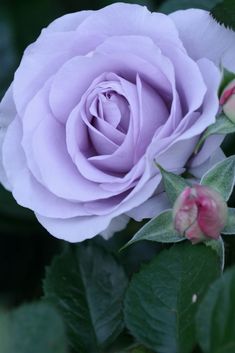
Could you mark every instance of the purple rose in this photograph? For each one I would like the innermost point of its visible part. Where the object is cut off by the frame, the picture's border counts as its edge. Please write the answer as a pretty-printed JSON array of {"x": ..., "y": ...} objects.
[{"x": 97, "y": 99}]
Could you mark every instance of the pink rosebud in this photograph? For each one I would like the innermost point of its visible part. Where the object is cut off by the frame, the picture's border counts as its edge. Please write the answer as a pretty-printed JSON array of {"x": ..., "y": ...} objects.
[
  {"x": 199, "y": 213},
  {"x": 227, "y": 100}
]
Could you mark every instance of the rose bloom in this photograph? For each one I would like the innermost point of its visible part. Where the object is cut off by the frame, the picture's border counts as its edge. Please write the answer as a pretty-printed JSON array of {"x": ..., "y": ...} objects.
[{"x": 97, "y": 99}]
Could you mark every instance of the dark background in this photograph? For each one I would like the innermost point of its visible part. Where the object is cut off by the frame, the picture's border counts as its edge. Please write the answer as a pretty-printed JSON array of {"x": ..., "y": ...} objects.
[{"x": 25, "y": 247}]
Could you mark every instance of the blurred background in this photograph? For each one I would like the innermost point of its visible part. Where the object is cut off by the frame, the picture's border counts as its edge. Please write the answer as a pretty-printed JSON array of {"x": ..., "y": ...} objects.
[{"x": 25, "y": 247}]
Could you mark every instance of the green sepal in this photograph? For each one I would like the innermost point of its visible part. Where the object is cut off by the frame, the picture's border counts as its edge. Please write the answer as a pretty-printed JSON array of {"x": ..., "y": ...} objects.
[
  {"x": 159, "y": 229},
  {"x": 222, "y": 126},
  {"x": 230, "y": 224},
  {"x": 173, "y": 184},
  {"x": 218, "y": 246},
  {"x": 221, "y": 177}
]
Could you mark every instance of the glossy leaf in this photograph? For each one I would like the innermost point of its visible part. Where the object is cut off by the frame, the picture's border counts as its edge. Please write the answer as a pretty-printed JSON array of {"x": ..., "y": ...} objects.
[
  {"x": 87, "y": 285},
  {"x": 216, "y": 316},
  {"x": 162, "y": 299}
]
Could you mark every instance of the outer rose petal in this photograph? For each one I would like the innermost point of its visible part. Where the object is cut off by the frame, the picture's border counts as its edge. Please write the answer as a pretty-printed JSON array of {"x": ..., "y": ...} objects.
[
  {"x": 215, "y": 158},
  {"x": 69, "y": 22},
  {"x": 116, "y": 225},
  {"x": 150, "y": 208},
  {"x": 130, "y": 19},
  {"x": 75, "y": 229},
  {"x": 203, "y": 37}
]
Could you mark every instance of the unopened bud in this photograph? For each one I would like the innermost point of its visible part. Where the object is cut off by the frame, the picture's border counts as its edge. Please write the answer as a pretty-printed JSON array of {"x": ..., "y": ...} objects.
[
  {"x": 227, "y": 101},
  {"x": 199, "y": 213}
]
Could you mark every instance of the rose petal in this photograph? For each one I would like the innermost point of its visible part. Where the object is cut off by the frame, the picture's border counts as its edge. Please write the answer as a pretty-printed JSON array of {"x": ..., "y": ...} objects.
[
  {"x": 68, "y": 22},
  {"x": 44, "y": 58},
  {"x": 202, "y": 36},
  {"x": 75, "y": 229},
  {"x": 26, "y": 190},
  {"x": 116, "y": 225},
  {"x": 150, "y": 208},
  {"x": 129, "y": 19}
]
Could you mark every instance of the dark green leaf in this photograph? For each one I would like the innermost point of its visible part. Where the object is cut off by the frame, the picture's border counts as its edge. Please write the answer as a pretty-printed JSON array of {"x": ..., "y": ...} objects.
[
  {"x": 216, "y": 316},
  {"x": 87, "y": 285},
  {"x": 222, "y": 126},
  {"x": 162, "y": 298},
  {"x": 173, "y": 184},
  {"x": 33, "y": 328},
  {"x": 221, "y": 177},
  {"x": 227, "y": 78},
  {"x": 230, "y": 225},
  {"x": 224, "y": 13},
  {"x": 159, "y": 229},
  {"x": 174, "y": 5}
]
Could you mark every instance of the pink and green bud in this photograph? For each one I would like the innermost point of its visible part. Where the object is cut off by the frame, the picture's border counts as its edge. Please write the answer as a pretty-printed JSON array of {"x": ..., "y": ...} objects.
[
  {"x": 199, "y": 213},
  {"x": 227, "y": 101}
]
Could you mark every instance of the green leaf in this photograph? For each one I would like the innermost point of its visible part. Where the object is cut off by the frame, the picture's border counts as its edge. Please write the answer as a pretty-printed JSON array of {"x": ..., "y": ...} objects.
[
  {"x": 159, "y": 229},
  {"x": 221, "y": 177},
  {"x": 228, "y": 76},
  {"x": 224, "y": 13},
  {"x": 174, "y": 5},
  {"x": 230, "y": 225},
  {"x": 218, "y": 247},
  {"x": 87, "y": 285},
  {"x": 222, "y": 126},
  {"x": 173, "y": 184},
  {"x": 216, "y": 316},
  {"x": 33, "y": 328},
  {"x": 162, "y": 298}
]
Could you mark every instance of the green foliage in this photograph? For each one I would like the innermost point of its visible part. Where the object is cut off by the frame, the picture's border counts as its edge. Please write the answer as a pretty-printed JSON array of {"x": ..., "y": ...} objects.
[
  {"x": 162, "y": 298},
  {"x": 222, "y": 126},
  {"x": 230, "y": 225},
  {"x": 221, "y": 177},
  {"x": 224, "y": 13},
  {"x": 218, "y": 247},
  {"x": 174, "y": 5},
  {"x": 87, "y": 285},
  {"x": 159, "y": 229},
  {"x": 173, "y": 184},
  {"x": 227, "y": 78},
  {"x": 216, "y": 316},
  {"x": 33, "y": 328}
]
